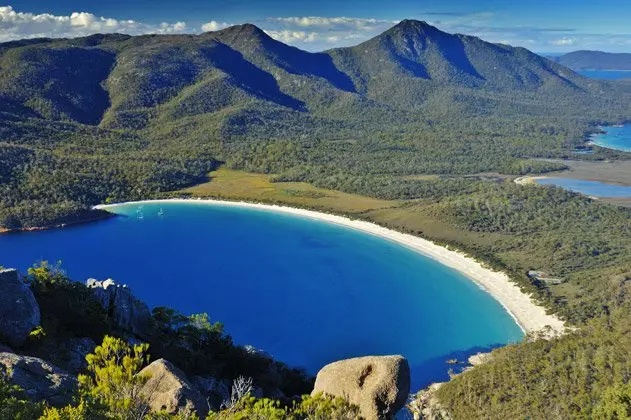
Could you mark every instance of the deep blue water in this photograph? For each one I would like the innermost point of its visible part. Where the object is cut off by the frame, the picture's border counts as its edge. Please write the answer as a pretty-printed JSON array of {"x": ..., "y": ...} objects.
[
  {"x": 305, "y": 291},
  {"x": 591, "y": 188},
  {"x": 606, "y": 74},
  {"x": 615, "y": 137}
]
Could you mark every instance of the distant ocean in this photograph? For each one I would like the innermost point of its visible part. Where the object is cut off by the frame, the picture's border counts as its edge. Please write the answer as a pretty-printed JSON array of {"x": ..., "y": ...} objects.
[
  {"x": 305, "y": 291},
  {"x": 606, "y": 74}
]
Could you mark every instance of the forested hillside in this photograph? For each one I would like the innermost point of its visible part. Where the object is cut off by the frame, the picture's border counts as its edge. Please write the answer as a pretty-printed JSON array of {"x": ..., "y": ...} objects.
[{"x": 114, "y": 117}]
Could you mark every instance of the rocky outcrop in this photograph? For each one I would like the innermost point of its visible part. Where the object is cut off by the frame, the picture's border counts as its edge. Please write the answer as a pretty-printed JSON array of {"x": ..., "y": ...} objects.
[
  {"x": 40, "y": 380},
  {"x": 19, "y": 312},
  {"x": 128, "y": 312},
  {"x": 479, "y": 359},
  {"x": 75, "y": 350},
  {"x": 427, "y": 407},
  {"x": 168, "y": 389},
  {"x": 214, "y": 391},
  {"x": 378, "y": 385}
]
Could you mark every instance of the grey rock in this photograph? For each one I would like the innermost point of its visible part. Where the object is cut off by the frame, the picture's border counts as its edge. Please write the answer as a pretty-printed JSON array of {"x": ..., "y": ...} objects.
[
  {"x": 257, "y": 352},
  {"x": 257, "y": 392},
  {"x": 19, "y": 312},
  {"x": 378, "y": 385},
  {"x": 168, "y": 389},
  {"x": 128, "y": 312},
  {"x": 76, "y": 351},
  {"x": 40, "y": 380},
  {"x": 276, "y": 394},
  {"x": 213, "y": 390}
]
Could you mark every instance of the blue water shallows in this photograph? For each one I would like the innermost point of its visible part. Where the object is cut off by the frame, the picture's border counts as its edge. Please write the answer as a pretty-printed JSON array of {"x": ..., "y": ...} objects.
[
  {"x": 591, "y": 188},
  {"x": 614, "y": 137},
  {"x": 305, "y": 291}
]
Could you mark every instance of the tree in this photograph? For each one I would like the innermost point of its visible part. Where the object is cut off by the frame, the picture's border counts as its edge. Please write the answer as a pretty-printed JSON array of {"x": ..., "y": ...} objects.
[
  {"x": 615, "y": 404},
  {"x": 45, "y": 274},
  {"x": 80, "y": 412},
  {"x": 115, "y": 383}
]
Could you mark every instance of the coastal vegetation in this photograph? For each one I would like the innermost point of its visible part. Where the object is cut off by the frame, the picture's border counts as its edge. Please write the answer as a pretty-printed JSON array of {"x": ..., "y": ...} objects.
[
  {"x": 113, "y": 387},
  {"x": 584, "y": 374}
]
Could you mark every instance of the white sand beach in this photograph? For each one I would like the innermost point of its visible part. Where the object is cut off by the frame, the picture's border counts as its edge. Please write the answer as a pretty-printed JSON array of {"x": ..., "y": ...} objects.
[
  {"x": 521, "y": 306},
  {"x": 524, "y": 180}
]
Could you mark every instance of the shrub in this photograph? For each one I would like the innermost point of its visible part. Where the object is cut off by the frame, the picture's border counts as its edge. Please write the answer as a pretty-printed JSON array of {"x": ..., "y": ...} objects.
[
  {"x": 318, "y": 407},
  {"x": 13, "y": 404},
  {"x": 114, "y": 382}
]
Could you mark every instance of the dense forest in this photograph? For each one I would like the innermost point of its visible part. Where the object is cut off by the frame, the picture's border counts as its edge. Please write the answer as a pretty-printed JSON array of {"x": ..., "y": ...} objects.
[{"x": 111, "y": 117}]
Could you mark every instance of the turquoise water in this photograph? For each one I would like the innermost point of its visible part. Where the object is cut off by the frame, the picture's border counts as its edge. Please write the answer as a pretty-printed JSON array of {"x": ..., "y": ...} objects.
[
  {"x": 606, "y": 74},
  {"x": 591, "y": 188},
  {"x": 305, "y": 291},
  {"x": 618, "y": 138}
]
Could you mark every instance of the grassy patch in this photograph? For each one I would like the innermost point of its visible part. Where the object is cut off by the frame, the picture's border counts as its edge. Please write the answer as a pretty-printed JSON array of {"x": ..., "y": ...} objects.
[{"x": 238, "y": 185}]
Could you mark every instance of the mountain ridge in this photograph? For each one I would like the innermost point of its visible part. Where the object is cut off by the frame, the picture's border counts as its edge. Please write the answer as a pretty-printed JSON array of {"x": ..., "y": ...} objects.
[
  {"x": 239, "y": 81},
  {"x": 402, "y": 68}
]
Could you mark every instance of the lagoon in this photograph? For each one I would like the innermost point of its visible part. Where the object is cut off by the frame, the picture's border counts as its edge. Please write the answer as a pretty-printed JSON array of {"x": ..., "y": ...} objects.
[
  {"x": 306, "y": 291},
  {"x": 590, "y": 188}
]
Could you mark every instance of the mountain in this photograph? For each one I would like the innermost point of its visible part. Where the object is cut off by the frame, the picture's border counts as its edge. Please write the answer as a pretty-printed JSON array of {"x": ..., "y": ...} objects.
[
  {"x": 414, "y": 63},
  {"x": 595, "y": 60},
  {"x": 117, "y": 116},
  {"x": 117, "y": 81}
]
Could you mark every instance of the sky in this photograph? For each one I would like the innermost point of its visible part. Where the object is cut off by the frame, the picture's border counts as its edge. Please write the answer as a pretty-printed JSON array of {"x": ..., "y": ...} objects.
[{"x": 544, "y": 26}]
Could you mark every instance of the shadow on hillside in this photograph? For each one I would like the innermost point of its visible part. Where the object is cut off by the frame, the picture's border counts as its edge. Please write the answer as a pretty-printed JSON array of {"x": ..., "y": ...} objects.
[{"x": 249, "y": 77}]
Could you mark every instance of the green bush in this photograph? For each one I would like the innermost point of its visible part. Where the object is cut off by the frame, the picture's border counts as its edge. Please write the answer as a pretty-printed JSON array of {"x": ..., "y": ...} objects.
[
  {"x": 318, "y": 407},
  {"x": 13, "y": 403}
]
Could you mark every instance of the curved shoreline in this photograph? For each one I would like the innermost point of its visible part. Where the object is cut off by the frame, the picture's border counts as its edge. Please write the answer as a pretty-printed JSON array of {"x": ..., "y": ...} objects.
[{"x": 528, "y": 315}]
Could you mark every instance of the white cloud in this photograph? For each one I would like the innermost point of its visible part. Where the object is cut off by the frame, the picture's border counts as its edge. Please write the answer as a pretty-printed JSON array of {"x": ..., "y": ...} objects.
[
  {"x": 214, "y": 26},
  {"x": 18, "y": 25},
  {"x": 563, "y": 41},
  {"x": 321, "y": 32},
  {"x": 291, "y": 37},
  {"x": 332, "y": 23},
  {"x": 314, "y": 32}
]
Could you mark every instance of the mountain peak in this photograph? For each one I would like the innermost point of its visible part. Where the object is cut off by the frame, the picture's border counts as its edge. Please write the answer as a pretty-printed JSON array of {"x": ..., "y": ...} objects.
[
  {"x": 413, "y": 27},
  {"x": 246, "y": 29},
  {"x": 412, "y": 23},
  {"x": 240, "y": 34}
]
